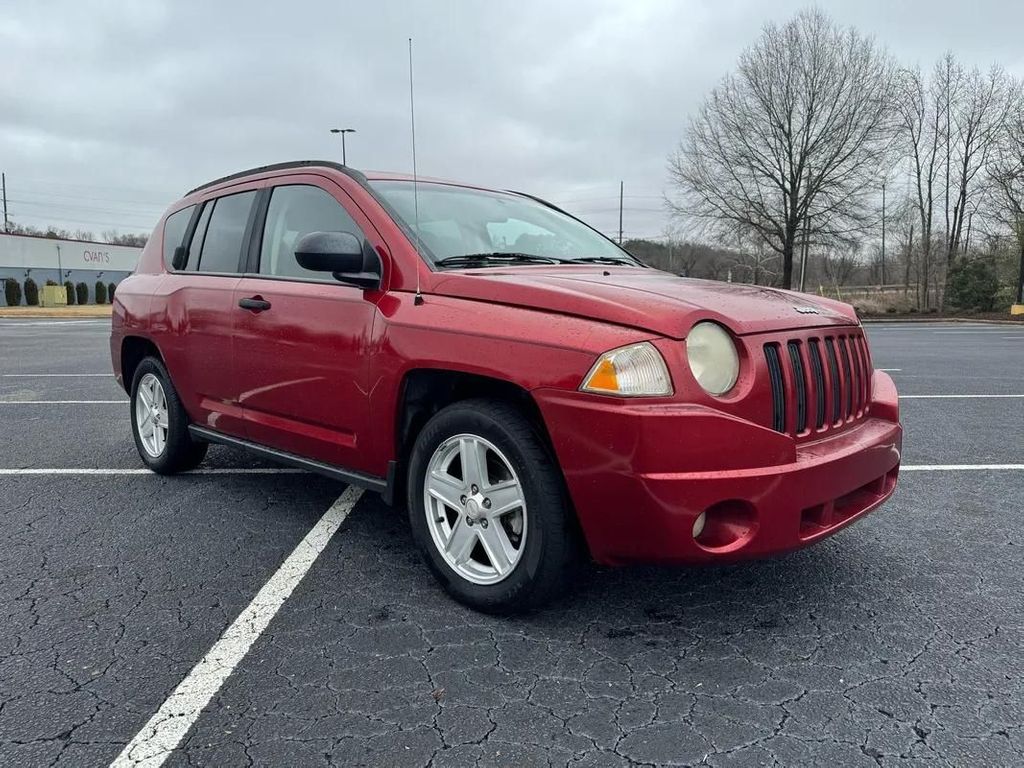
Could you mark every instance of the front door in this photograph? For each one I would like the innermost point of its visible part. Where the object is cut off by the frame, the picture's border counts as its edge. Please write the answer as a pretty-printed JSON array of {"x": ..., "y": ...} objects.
[{"x": 301, "y": 337}]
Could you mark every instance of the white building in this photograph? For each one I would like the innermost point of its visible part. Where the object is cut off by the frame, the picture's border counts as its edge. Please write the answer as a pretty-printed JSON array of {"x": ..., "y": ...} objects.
[{"x": 45, "y": 258}]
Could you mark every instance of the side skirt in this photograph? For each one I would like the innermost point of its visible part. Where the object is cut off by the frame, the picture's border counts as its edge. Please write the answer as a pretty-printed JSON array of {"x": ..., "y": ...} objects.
[{"x": 369, "y": 482}]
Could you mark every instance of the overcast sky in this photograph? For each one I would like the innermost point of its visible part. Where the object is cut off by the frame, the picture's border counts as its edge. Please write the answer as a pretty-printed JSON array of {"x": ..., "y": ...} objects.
[{"x": 109, "y": 110}]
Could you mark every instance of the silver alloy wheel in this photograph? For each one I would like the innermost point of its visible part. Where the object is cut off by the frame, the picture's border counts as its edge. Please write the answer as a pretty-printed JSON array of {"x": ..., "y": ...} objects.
[
  {"x": 151, "y": 415},
  {"x": 476, "y": 508}
]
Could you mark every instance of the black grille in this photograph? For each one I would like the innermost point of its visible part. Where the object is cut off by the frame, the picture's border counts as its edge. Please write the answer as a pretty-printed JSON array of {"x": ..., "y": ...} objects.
[
  {"x": 771, "y": 353},
  {"x": 833, "y": 369},
  {"x": 819, "y": 383},
  {"x": 801, "y": 387},
  {"x": 814, "y": 389}
]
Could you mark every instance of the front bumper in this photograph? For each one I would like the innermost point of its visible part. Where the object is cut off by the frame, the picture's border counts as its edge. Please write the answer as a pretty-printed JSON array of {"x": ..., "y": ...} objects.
[{"x": 640, "y": 475}]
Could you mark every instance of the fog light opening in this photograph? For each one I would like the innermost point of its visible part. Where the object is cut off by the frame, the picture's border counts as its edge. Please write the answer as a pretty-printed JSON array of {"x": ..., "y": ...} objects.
[
  {"x": 698, "y": 524},
  {"x": 725, "y": 526}
]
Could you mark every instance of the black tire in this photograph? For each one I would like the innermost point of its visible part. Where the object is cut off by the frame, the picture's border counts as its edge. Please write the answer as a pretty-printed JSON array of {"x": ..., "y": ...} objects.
[
  {"x": 547, "y": 563},
  {"x": 180, "y": 452}
]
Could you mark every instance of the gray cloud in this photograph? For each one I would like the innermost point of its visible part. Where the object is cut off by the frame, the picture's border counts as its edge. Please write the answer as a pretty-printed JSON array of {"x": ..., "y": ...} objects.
[{"x": 110, "y": 110}]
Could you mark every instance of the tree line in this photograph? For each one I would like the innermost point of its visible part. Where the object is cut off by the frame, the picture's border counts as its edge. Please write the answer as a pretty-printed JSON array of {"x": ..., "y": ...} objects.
[
  {"x": 821, "y": 151},
  {"x": 111, "y": 236}
]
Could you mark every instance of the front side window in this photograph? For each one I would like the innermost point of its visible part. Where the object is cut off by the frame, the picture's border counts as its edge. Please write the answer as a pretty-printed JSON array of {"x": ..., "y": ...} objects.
[
  {"x": 174, "y": 232},
  {"x": 225, "y": 233},
  {"x": 458, "y": 223},
  {"x": 295, "y": 211}
]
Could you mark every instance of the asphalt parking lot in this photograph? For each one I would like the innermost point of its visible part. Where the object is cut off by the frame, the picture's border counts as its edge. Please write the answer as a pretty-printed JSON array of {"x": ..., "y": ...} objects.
[{"x": 899, "y": 641}]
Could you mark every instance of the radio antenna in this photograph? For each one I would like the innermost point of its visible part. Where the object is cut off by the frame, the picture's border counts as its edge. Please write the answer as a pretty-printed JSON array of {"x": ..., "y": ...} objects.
[{"x": 415, "y": 185}]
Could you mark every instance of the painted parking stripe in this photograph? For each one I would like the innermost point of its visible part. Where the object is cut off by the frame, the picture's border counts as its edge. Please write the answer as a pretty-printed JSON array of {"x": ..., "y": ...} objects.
[
  {"x": 955, "y": 397},
  {"x": 36, "y": 323},
  {"x": 125, "y": 402},
  {"x": 53, "y": 375},
  {"x": 64, "y": 402},
  {"x": 294, "y": 471},
  {"x": 958, "y": 467},
  {"x": 165, "y": 730},
  {"x": 142, "y": 471},
  {"x": 978, "y": 331},
  {"x": 889, "y": 370}
]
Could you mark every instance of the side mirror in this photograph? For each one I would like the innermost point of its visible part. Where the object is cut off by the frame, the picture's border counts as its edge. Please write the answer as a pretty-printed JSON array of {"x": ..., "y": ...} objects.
[{"x": 342, "y": 254}]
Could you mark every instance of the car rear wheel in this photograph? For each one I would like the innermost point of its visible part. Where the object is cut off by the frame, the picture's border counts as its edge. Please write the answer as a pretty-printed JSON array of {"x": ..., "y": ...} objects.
[
  {"x": 159, "y": 422},
  {"x": 488, "y": 509}
]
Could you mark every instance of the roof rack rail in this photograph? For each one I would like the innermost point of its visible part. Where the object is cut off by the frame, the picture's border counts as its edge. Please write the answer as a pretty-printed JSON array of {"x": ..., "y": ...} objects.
[{"x": 282, "y": 167}]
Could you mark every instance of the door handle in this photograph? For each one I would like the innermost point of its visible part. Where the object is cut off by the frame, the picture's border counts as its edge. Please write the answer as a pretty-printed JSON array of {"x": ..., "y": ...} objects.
[{"x": 256, "y": 304}]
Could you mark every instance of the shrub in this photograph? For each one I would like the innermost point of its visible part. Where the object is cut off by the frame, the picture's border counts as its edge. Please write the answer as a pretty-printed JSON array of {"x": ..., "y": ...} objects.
[
  {"x": 69, "y": 288},
  {"x": 31, "y": 292},
  {"x": 1006, "y": 296},
  {"x": 52, "y": 282},
  {"x": 81, "y": 293},
  {"x": 890, "y": 310},
  {"x": 12, "y": 292},
  {"x": 972, "y": 285},
  {"x": 110, "y": 292},
  {"x": 101, "y": 292}
]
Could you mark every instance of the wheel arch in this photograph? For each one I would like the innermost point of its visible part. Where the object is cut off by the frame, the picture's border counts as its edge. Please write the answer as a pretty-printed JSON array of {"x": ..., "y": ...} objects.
[
  {"x": 135, "y": 349},
  {"x": 425, "y": 391}
]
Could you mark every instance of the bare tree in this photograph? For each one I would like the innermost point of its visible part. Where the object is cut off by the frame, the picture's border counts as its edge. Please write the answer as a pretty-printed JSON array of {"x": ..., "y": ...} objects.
[
  {"x": 980, "y": 108},
  {"x": 794, "y": 134},
  {"x": 1007, "y": 175},
  {"x": 839, "y": 265},
  {"x": 922, "y": 112}
]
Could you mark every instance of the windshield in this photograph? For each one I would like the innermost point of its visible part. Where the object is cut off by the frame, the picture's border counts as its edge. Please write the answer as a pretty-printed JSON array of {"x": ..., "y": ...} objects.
[{"x": 456, "y": 222}]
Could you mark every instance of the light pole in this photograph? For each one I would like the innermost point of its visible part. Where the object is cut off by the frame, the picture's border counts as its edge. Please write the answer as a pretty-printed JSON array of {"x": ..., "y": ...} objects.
[{"x": 343, "y": 131}]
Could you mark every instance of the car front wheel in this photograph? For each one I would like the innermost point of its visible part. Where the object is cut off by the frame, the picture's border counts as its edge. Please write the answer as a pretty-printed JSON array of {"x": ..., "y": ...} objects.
[{"x": 488, "y": 509}]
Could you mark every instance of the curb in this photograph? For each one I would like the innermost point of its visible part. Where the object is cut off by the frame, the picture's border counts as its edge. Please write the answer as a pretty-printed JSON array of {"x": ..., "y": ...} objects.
[{"x": 969, "y": 321}]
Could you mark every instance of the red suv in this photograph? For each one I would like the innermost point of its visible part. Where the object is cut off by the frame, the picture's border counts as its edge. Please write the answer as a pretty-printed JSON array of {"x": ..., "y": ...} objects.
[{"x": 530, "y": 391}]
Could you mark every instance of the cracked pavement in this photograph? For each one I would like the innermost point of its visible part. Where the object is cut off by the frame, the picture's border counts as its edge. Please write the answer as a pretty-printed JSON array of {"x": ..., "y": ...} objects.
[{"x": 897, "y": 642}]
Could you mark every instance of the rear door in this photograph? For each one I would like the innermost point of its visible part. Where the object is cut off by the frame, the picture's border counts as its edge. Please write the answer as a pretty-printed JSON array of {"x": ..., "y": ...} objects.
[
  {"x": 198, "y": 341},
  {"x": 301, "y": 337}
]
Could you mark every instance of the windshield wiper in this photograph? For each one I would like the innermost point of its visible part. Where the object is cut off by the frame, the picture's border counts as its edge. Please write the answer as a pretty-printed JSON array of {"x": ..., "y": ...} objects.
[
  {"x": 498, "y": 257},
  {"x": 607, "y": 260}
]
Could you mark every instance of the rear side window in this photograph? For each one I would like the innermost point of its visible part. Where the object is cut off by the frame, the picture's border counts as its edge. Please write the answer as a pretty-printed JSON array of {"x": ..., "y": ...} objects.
[
  {"x": 294, "y": 211},
  {"x": 174, "y": 232},
  {"x": 225, "y": 233}
]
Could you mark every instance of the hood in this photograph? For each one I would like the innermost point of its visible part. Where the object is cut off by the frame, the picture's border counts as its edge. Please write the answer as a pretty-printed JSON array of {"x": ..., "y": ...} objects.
[{"x": 655, "y": 301}]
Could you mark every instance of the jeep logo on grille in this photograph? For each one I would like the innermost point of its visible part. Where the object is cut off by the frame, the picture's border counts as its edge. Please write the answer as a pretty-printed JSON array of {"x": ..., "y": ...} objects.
[{"x": 806, "y": 310}]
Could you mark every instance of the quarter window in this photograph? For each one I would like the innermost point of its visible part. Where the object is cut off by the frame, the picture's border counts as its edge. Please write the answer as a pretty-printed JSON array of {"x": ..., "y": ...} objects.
[
  {"x": 174, "y": 232},
  {"x": 225, "y": 234},
  {"x": 294, "y": 211}
]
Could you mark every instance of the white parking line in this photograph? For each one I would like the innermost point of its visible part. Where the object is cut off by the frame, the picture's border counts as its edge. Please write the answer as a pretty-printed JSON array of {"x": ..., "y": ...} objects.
[
  {"x": 142, "y": 471},
  {"x": 64, "y": 402},
  {"x": 293, "y": 471},
  {"x": 51, "y": 375},
  {"x": 958, "y": 467},
  {"x": 165, "y": 730},
  {"x": 889, "y": 370},
  {"x": 953, "y": 397},
  {"x": 34, "y": 323},
  {"x": 988, "y": 331}
]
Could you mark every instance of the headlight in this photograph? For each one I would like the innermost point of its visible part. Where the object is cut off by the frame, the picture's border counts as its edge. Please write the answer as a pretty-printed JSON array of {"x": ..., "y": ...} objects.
[
  {"x": 634, "y": 371},
  {"x": 713, "y": 358}
]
